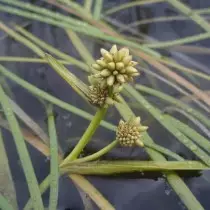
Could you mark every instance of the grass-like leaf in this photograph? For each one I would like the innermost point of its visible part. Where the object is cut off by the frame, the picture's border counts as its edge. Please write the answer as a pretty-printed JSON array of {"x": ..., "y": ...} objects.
[
  {"x": 175, "y": 102},
  {"x": 23, "y": 152},
  {"x": 167, "y": 124},
  {"x": 114, "y": 167},
  {"x": 4, "y": 204},
  {"x": 80, "y": 87},
  {"x": 7, "y": 186},
  {"x": 54, "y": 161},
  {"x": 42, "y": 94}
]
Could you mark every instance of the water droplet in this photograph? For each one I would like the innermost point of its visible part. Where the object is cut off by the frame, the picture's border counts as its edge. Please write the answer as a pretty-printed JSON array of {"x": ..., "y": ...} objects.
[
  {"x": 193, "y": 147},
  {"x": 167, "y": 192},
  {"x": 69, "y": 124},
  {"x": 65, "y": 117}
]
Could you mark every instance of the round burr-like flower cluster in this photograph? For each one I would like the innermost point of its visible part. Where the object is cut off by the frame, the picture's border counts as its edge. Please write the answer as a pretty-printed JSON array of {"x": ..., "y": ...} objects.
[
  {"x": 114, "y": 67},
  {"x": 128, "y": 133},
  {"x": 99, "y": 96}
]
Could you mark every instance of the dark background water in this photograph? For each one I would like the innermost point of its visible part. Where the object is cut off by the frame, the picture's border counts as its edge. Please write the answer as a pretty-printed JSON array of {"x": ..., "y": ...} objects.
[{"x": 124, "y": 192}]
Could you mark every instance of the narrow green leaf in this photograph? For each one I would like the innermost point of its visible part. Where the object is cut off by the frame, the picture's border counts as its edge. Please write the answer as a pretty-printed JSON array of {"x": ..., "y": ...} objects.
[
  {"x": 175, "y": 102},
  {"x": 23, "y": 152},
  {"x": 7, "y": 187},
  {"x": 54, "y": 162},
  {"x": 40, "y": 93},
  {"x": 165, "y": 122},
  {"x": 80, "y": 87},
  {"x": 4, "y": 204},
  {"x": 113, "y": 167},
  {"x": 97, "y": 9}
]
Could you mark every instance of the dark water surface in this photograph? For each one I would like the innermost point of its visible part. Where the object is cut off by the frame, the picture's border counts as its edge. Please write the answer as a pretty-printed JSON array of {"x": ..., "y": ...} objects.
[{"x": 125, "y": 192}]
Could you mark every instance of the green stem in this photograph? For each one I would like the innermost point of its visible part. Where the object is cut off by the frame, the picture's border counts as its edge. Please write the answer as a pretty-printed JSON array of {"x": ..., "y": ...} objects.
[
  {"x": 87, "y": 135},
  {"x": 161, "y": 149},
  {"x": 93, "y": 156},
  {"x": 54, "y": 161},
  {"x": 46, "y": 182},
  {"x": 113, "y": 167}
]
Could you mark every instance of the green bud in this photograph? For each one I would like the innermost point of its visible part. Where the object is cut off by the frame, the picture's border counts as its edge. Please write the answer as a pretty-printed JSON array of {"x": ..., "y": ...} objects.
[
  {"x": 136, "y": 121},
  {"x": 143, "y": 128},
  {"x": 119, "y": 65},
  {"x": 120, "y": 78},
  {"x": 110, "y": 80},
  {"x": 131, "y": 70},
  {"x": 133, "y": 63},
  {"x": 115, "y": 72},
  {"x": 105, "y": 73},
  {"x": 124, "y": 52},
  {"x": 111, "y": 65},
  {"x": 127, "y": 59},
  {"x": 101, "y": 63},
  {"x": 96, "y": 66},
  {"x": 135, "y": 74},
  {"x": 109, "y": 101},
  {"x": 113, "y": 50}
]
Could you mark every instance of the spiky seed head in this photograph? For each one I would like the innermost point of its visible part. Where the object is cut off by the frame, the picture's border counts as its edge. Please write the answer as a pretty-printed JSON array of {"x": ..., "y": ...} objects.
[
  {"x": 119, "y": 64},
  {"x": 128, "y": 133}
]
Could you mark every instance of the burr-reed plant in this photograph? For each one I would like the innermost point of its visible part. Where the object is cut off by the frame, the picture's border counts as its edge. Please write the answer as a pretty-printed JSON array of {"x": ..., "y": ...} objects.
[{"x": 109, "y": 77}]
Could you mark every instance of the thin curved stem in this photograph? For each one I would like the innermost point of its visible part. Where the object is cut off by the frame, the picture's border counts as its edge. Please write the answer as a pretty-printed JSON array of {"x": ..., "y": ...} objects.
[
  {"x": 87, "y": 135},
  {"x": 93, "y": 156},
  {"x": 161, "y": 149}
]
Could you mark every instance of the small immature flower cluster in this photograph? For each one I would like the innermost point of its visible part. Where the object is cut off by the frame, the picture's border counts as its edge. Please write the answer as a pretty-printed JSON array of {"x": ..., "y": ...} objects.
[
  {"x": 128, "y": 133},
  {"x": 113, "y": 69}
]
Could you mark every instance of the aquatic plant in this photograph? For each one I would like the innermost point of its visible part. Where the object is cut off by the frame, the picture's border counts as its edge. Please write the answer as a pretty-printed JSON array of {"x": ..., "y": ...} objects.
[{"x": 109, "y": 82}]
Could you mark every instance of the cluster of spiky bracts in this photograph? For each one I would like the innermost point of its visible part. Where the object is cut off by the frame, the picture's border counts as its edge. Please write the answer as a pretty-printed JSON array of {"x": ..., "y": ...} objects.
[
  {"x": 115, "y": 67},
  {"x": 128, "y": 133},
  {"x": 111, "y": 71}
]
